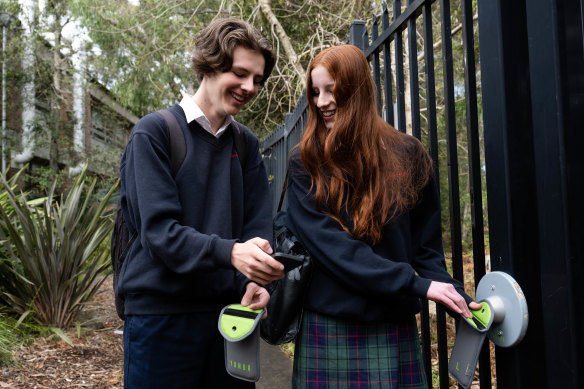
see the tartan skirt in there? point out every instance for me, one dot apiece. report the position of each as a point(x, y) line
point(335, 353)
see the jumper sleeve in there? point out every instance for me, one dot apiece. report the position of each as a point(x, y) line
point(351, 262)
point(257, 201)
point(154, 206)
point(427, 238)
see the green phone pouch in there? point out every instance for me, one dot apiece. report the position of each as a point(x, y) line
point(239, 327)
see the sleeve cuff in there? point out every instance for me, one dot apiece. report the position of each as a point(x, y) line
point(222, 252)
point(420, 286)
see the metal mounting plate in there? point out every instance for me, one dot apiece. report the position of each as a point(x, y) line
point(513, 326)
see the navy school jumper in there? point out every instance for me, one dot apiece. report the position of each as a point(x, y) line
point(187, 225)
point(356, 281)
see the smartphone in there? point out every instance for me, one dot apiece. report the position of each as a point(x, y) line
point(290, 262)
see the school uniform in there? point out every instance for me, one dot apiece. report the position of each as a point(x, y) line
point(360, 307)
point(178, 273)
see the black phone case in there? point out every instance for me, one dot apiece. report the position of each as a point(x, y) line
point(290, 262)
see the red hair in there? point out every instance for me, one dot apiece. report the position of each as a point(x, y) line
point(362, 165)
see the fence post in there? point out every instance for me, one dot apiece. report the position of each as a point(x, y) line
point(556, 57)
point(531, 64)
point(357, 33)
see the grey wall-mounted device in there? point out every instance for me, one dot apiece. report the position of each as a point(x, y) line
point(503, 318)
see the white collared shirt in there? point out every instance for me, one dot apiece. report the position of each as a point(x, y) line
point(194, 112)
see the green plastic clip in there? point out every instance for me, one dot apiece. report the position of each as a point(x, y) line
point(481, 318)
point(237, 321)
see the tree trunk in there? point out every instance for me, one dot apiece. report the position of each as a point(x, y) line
point(293, 58)
point(55, 99)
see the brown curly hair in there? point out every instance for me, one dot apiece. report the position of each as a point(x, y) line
point(215, 44)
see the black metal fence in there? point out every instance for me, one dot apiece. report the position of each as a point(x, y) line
point(533, 171)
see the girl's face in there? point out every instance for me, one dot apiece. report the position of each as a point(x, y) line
point(322, 95)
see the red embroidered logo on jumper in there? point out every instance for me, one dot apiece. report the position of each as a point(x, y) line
point(234, 155)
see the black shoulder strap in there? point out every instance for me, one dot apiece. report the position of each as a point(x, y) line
point(284, 187)
point(178, 146)
point(178, 149)
point(240, 142)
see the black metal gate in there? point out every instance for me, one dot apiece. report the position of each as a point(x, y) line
point(531, 96)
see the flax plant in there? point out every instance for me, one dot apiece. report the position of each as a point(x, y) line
point(57, 251)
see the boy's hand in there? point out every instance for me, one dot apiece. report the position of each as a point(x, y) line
point(256, 297)
point(252, 259)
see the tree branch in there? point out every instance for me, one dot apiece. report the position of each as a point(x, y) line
point(293, 58)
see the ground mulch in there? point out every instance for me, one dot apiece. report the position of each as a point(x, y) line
point(95, 360)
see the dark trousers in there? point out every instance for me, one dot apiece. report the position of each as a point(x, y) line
point(176, 351)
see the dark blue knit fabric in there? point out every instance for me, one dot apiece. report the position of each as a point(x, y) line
point(187, 225)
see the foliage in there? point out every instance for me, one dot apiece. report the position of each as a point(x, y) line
point(8, 340)
point(55, 252)
point(142, 53)
point(43, 178)
point(14, 333)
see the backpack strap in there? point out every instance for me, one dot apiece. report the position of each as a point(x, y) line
point(178, 150)
point(178, 145)
point(240, 141)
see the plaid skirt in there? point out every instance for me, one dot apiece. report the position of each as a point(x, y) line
point(334, 353)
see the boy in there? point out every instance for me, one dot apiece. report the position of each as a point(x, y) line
point(203, 235)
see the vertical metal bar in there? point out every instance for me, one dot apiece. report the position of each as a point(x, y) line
point(365, 38)
point(452, 155)
point(474, 163)
point(387, 69)
point(399, 70)
point(433, 151)
point(430, 87)
point(442, 348)
point(414, 87)
point(376, 65)
point(450, 115)
point(426, 341)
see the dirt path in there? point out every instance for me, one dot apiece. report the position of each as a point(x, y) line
point(94, 361)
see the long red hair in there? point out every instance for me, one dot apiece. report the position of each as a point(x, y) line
point(362, 166)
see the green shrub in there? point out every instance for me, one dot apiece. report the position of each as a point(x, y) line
point(56, 251)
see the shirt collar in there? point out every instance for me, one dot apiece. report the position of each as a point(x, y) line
point(194, 113)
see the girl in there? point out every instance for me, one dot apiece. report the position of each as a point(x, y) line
point(363, 200)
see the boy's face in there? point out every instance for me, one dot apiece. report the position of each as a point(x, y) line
point(231, 90)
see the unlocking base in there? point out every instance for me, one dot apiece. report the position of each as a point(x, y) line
point(503, 318)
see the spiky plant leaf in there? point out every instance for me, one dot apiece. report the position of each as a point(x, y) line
point(57, 250)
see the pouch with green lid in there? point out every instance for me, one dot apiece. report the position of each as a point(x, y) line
point(239, 327)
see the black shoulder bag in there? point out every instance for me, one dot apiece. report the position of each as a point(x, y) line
point(287, 295)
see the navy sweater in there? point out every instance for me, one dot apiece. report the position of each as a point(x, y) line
point(357, 281)
point(187, 225)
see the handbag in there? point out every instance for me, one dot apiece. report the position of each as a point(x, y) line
point(287, 295)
